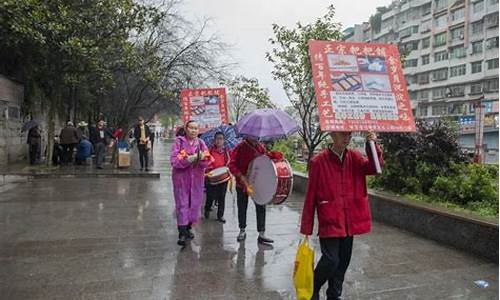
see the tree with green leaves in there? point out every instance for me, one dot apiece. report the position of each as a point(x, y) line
point(245, 95)
point(292, 67)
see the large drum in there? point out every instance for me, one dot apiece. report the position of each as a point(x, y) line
point(219, 175)
point(271, 179)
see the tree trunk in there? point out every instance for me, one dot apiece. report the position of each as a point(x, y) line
point(50, 131)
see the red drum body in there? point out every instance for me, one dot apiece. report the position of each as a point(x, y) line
point(219, 175)
point(271, 179)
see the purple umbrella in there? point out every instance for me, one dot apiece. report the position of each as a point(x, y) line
point(267, 125)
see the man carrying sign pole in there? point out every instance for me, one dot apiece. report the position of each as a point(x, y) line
point(337, 190)
point(359, 87)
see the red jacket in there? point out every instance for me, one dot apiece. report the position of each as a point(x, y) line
point(241, 157)
point(338, 192)
point(220, 158)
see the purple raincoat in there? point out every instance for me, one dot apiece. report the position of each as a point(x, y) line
point(188, 179)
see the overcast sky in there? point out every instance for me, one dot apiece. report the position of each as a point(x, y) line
point(246, 26)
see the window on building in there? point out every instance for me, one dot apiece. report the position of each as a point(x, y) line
point(457, 52)
point(457, 33)
point(491, 85)
point(476, 67)
point(476, 88)
point(441, 22)
point(457, 90)
point(492, 64)
point(441, 74)
point(477, 28)
point(423, 78)
point(492, 43)
point(426, 9)
point(493, 2)
point(477, 47)
point(439, 56)
point(441, 4)
point(409, 79)
point(422, 110)
point(477, 6)
point(456, 108)
point(410, 63)
point(424, 95)
point(426, 42)
point(405, 32)
point(458, 14)
point(425, 59)
point(457, 70)
point(439, 39)
point(439, 109)
point(491, 20)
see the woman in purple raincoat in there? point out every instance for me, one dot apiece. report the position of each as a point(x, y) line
point(189, 158)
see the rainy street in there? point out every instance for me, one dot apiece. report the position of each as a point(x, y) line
point(115, 238)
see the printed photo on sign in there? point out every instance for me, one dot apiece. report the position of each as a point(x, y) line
point(342, 63)
point(376, 83)
point(346, 82)
point(372, 64)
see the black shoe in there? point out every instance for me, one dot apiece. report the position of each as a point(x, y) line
point(182, 240)
point(241, 236)
point(264, 240)
point(189, 235)
point(147, 170)
point(222, 220)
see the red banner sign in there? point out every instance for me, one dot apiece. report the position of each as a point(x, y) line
point(208, 107)
point(360, 87)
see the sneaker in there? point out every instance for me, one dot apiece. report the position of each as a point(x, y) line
point(241, 236)
point(222, 220)
point(264, 240)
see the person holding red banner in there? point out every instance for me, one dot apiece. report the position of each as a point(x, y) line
point(189, 158)
point(337, 191)
point(242, 155)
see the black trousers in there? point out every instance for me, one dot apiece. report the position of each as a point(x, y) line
point(67, 155)
point(216, 193)
point(143, 155)
point(260, 210)
point(336, 256)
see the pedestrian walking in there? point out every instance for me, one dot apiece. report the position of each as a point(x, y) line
point(337, 191)
point(69, 138)
point(34, 144)
point(100, 137)
point(241, 157)
point(216, 184)
point(189, 157)
point(142, 135)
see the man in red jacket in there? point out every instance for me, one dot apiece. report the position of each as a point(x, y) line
point(337, 191)
point(241, 157)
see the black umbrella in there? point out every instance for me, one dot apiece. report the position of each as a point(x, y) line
point(28, 125)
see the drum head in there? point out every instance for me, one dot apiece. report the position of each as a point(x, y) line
point(263, 178)
point(219, 171)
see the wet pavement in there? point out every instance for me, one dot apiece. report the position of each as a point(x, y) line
point(115, 238)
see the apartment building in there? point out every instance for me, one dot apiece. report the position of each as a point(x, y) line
point(451, 49)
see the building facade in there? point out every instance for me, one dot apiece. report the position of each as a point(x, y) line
point(451, 59)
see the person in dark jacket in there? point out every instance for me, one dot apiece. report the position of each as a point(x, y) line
point(142, 135)
point(84, 150)
point(57, 152)
point(337, 191)
point(100, 137)
point(34, 142)
point(69, 138)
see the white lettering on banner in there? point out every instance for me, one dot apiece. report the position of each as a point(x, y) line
point(358, 105)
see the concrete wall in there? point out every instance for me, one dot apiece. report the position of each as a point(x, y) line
point(473, 235)
point(12, 142)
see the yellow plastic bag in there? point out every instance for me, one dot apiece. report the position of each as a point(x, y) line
point(303, 275)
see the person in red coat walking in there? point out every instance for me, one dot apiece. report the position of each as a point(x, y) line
point(337, 191)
